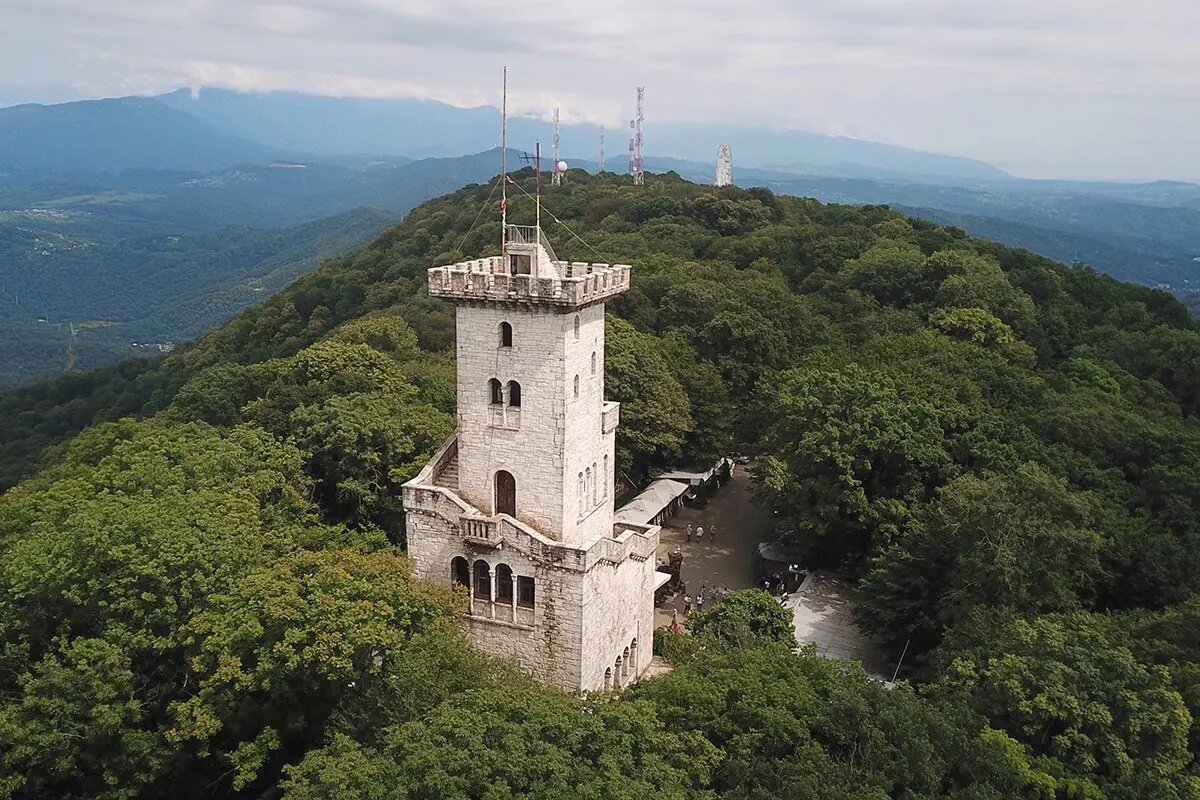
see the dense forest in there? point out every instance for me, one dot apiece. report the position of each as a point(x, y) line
point(204, 592)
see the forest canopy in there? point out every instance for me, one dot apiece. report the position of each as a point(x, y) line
point(206, 587)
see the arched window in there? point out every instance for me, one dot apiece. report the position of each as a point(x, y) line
point(617, 672)
point(514, 394)
point(505, 334)
point(460, 572)
point(496, 391)
point(587, 485)
point(593, 362)
point(506, 493)
point(595, 485)
point(633, 655)
point(625, 666)
point(504, 584)
point(608, 678)
point(576, 326)
point(607, 480)
point(577, 386)
point(483, 581)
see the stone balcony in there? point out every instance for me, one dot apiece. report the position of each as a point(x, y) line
point(487, 280)
point(423, 495)
point(610, 416)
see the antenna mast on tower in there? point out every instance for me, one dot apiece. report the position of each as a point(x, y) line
point(724, 167)
point(600, 163)
point(504, 162)
point(556, 175)
point(635, 142)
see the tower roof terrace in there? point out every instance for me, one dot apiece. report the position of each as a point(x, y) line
point(528, 273)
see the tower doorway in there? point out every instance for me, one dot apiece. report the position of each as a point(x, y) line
point(506, 493)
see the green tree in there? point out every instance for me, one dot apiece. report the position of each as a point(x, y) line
point(1091, 715)
point(742, 618)
point(655, 412)
point(848, 459)
point(1025, 540)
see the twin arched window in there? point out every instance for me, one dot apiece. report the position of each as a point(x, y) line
point(497, 393)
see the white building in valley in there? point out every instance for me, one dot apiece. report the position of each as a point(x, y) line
point(518, 505)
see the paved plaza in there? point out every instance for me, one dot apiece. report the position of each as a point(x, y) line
point(727, 560)
point(821, 606)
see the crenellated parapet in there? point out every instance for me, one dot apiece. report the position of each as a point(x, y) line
point(486, 280)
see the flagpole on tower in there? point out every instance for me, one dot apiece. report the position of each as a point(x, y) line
point(504, 162)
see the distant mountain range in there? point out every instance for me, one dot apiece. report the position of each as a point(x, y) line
point(155, 218)
point(220, 128)
point(115, 135)
point(422, 128)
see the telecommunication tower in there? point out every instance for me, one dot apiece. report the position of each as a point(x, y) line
point(635, 142)
point(600, 163)
point(724, 167)
point(557, 175)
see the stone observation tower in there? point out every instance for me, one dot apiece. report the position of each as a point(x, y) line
point(518, 505)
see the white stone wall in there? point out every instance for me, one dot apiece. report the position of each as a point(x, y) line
point(618, 609)
point(554, 436)
point(550, 648)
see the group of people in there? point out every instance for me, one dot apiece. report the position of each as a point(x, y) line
point(699, 533)
point(703, 596)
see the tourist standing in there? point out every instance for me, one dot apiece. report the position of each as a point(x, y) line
point(700, 534)
point(687, 604)
point(689, 532)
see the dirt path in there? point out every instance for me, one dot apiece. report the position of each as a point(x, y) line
point(729, 559)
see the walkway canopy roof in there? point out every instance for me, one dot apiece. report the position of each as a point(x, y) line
point(650, 502)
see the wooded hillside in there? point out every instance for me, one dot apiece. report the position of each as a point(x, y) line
point(208, 597)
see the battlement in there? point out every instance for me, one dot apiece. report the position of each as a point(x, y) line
point(528, 273)
point(488, 280)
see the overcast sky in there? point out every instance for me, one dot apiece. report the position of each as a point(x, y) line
point(1043, 88)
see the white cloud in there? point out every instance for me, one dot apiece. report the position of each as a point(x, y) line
point(1071, 87)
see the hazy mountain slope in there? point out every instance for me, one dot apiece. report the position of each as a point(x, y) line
point(429, 128)
point(113, 135)
point(148, 288)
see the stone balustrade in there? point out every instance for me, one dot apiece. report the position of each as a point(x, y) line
point(422, 496)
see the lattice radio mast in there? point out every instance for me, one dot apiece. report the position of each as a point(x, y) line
point(556, 173)
point(724, 167)
point(600, 163)
point(635, 142)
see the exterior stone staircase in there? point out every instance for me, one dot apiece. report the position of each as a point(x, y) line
point(448, 477)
